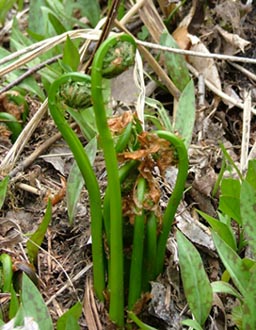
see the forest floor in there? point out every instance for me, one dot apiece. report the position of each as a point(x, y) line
point(39, 173)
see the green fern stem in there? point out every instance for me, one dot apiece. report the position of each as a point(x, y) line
point(176, 197)
point(58, 115)
point(99, 67)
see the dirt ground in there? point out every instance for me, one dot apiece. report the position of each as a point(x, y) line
point(64, 264)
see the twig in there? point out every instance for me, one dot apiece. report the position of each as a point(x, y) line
point(28, 188)
point(198, 54)
point(29, 73)
point(132, 12)
point(43, 46)
point(11, 157)
point(105, 31)
point(215, 90)
point(72, 280)
point(35, 154)
point(9, 24)
point(248, 73)
point(246, 132)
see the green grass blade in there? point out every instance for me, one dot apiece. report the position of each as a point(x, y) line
point(76, 182)
point(71, 55)
point(137, 321)
point(197, 287)
point(248, 213)
point(233, 263)
point(37, 238)
point(3, 190)
point(14, 304)
point(224, 287)
point(192, 324)
point(223, 230)
point(91, 10)
point(229, 199)
point(7, 273)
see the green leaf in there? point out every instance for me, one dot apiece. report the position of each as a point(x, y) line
point(36, 25)
point(7, 273)
point(249, 305)
point(140, 324)
point(18, 39)
point(185, 115)
point(223, 230)
point(175, 63)
point(34, 305)
point(71, 323)
point(248, 213)
point(32, 86)
point(89, 9)
point(233, 263)
point(224, 287)
point(3, 190)
point(161, 112)
point(230, 199)
point(196, 284)
point(14, 304)
point(237, 316)
point(69, 320)
point(71, 55)
point(5, 6)
point(192, 324)
point(251, 173)
point(39, 234)
point(75, 180)
point(58, 27)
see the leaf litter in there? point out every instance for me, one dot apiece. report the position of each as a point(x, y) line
point(227, 28)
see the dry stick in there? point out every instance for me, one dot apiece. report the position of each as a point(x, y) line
point(89, 307)
point(215, 90)
point(198, 54)
point(37, 45)
point(67, 285)
point(246, 72)
point(29, 73)
point(105, 31)
point(12, 155)
point(70, 281)
point(7, 27)
point(131, 12)
point(85, 47)
point(35, 154)
point(246, 132)
point(41, 47)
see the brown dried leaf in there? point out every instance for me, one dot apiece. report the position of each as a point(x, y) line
point(154, 193)
point(205, 66)
point(154, 152)
point(117, 124)
point(182, 38)
point(6, 105)
point(150, 144)
point(234, 43)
